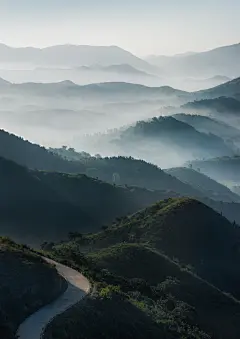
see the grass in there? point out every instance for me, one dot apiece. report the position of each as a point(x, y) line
point(151, 264)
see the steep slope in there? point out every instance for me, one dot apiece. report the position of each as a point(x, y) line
point(33, 156)
point(26, 284)
point(31, 211)
point(132, 266)
point(209, 187)
point(189, 231)
point(136, 261)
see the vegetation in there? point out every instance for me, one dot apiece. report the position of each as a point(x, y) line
point(26, 283)
point(174, 135)
point(210, 125)
point(222, 104)
point(33, 156)
point(156, 268)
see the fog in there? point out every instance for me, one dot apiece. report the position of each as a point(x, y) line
point(90, 97)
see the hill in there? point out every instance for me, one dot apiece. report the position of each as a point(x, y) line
point(149, 139)
point(178, 228)
point(36, 206)
point(128, 170)
point(158, 260)
point(223, 169)
point(98, 92)
point(4, 82)
point(118, 68)
point(228, 89)
point(210, 125)
point(209, 187)
point(33, 156)
point(31, 211)
point(222, 60)
point(132, 262)
point(71, 55)
point(27, 282)
point(216, 106)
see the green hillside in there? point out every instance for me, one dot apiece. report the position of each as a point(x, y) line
point(177, 262)
point(135, 261)
point(187, 230)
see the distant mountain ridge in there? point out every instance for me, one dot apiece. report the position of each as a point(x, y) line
point(116, 68)
point(72, 55)
point(222, 60)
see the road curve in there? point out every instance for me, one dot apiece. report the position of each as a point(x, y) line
point(78, 287)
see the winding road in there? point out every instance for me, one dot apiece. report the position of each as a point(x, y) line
point(78, 287)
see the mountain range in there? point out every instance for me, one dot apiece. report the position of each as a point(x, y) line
point(71, 56)
point(219, 61)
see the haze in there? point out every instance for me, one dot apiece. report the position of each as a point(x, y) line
point(170, 27)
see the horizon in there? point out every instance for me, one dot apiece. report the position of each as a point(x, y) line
point(169, 27)
point(117, 46)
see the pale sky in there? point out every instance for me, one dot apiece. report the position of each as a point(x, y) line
point(141, 26)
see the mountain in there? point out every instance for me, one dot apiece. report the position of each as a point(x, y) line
point(128, 171)
point(60, 195)
point(196, 84)
point(28, 283)
point(209, 187)
point(103, 91)
point(118, 68)
point(187, 230)
point(37, 205)
point(222, 60)
point(148, 140)
point(223, 169)
point(224, 105)
point(33, 156)
point(71, 55)
point(207, 124)
point(4, 82)
point(161, 261)
point(229, 89)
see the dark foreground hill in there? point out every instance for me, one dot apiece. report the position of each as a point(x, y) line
point(187, 230)
point(37, 206)
point(26, 283)
point(173, 262)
